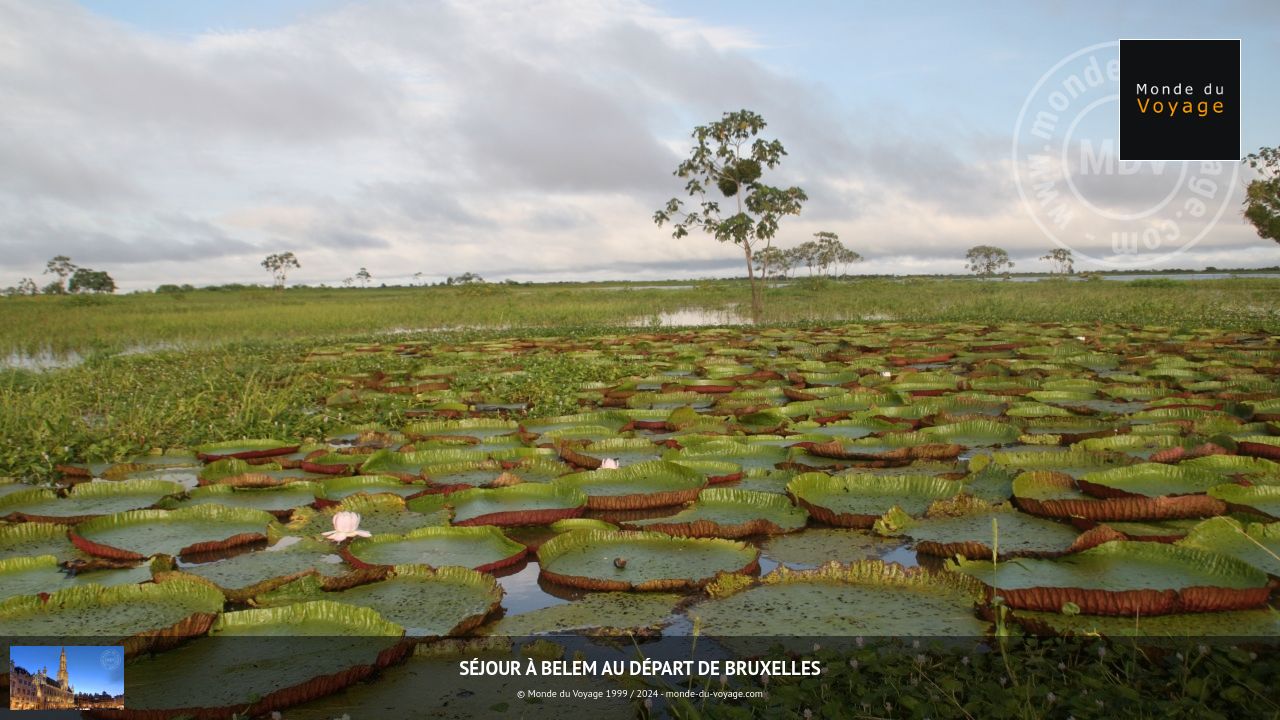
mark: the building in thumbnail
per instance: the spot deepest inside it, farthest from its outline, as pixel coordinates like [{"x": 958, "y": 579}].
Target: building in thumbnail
[{"x": 38, "y": 691}]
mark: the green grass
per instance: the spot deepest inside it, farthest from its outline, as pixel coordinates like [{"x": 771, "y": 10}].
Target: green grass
[{"x": 60, "y": 325}]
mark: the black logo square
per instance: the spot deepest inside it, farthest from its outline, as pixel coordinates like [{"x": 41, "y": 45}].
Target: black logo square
[{"x": 1180, "y": 100}]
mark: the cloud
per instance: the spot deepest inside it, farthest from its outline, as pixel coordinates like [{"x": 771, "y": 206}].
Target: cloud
[{"x": 509, "y": 139}]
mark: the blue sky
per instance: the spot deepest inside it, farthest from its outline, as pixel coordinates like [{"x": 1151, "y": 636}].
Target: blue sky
[
  {"x": 85, "y": 668},
  {"x": 183, "y": 141}
]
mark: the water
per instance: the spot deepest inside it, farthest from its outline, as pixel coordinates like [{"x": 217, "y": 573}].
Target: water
[
  {"x": 46, "y": 359},
  {"x": 692, "y": 317}
]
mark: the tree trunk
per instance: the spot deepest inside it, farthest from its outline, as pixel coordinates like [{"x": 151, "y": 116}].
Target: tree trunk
[{"x": 757, "y": 302}]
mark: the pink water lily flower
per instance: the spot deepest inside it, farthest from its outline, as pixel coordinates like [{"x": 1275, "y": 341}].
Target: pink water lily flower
[
  {"x": 346, "y": 525},
  {"x": 609, "y": 464}
]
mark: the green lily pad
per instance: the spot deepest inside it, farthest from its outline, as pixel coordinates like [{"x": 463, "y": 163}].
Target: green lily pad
[
  {"x": 243, "y": 449},
  {"x": 425, "y": 601},
  {"x": 1264, "y": 499},
  {"x": 729, "y": 513},
  {"x": 411, "y": 465},
  {"x": 1054, "y": 494},
  {"x": 482, "y": 548},
  {"x": 819, "y": 546},
  {"x": 603, "y": 560},
  {"x": 636, "y": 487},
  {"x": 88, "y": 499},
  {"x": 973, "y": 531},
  {"x": 575, "y": 524},
  {"x": 338, "y": 488},
  {"x": 31, "y": 538},
  {"x": 380, "y": 514},
  {"x": 1255, "y": 543},
  {"x": 244, "y": 575},
  {"x": 857, "y": 500},
  {"x": 1125, "y": 578},
  {"x": 222, "y": 674},
  {"x": 1149, "y": 480},
  {"x": 523, "y": 504},
  {"x": 31, "y": 575},
  {"x": 138, "y": 534},
  {"x": 113, "y": 612},
  {"x": 430, "y": 682},
  {"x": 868, "y": 598},
  {"x": 1252, "y": 624},
  {"x": 605, "y": 613},
  {"x": 272, "y": 499},
  {"x": 974, "y": 433},
  {"x": 468, "y": 427}
]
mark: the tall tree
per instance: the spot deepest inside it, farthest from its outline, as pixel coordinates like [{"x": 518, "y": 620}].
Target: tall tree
[
  {"x": 1262, "y": 196},
  {"x": 729, "y": 156},
  {"x": 364, "y": 277},
  {"x": 1060, "y": 260},
  {"x": 62, "y": 267},
  {"x": 279, "y": 265},
  {"x": 987, "y": 260}
]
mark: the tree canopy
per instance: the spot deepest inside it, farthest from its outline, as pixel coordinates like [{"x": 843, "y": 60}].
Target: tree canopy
[
  {"x": 987, "y": 260},
  {"x": 1262, "y": 196},
  {"x": 279, "y": 265}
]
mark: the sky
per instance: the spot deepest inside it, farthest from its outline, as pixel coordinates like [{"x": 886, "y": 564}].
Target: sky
[
  {"x": 86, "y": 670},
  {"x": 182, "y": 142}
]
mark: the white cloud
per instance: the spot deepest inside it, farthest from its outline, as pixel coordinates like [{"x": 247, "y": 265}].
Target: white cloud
[{"x": 518, "y": 140}]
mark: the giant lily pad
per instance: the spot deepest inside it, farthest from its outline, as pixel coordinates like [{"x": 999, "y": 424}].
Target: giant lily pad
[
  {"x": 729, "y": 513},
  {"x": 605, "y": 614},
  {"x": 318, "y": 648},
  {"x": 972, "y": 529},
  {"x": 857, "y": 500},
  {"x": 244, "y": 575},
  {"x": 410, "y": 465},
  {"x": 146, "y": 615},
  {"x": 138, "y": 534},
  {"x": 974, "y": 433},
  {"x": 379, "y": 514},
  {"x": 340, "y": 487},
  {"x": 87, "y": 500},
  {"x": 1263, "y": 499},
  {"x": 482, "y": 548},
  {"x": 42, "y": 574},
  {"x": 636, "y": 487},
  {"x": 279, "y": 500},
  {"x": 865, "y": 598},
  {"x": 618, "y": 560},
  {"x": 1125, "y": 578},
  {"x": 244, "y": 449},
  {"x": 523, "y": 504},
  {"x": 1148, "y": 480},
  {"x": 425, "y": 601},
  {"x": 1255, "y": 543},
  {"x": 819, "y": 546},
  {"x": 31, "y": 538},
  {"x": 1056, "y": 495},
  {"x": 1252, "y": 624}
]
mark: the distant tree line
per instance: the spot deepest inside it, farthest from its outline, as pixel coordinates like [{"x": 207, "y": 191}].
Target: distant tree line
[
  {"x": 69, "y": 278},
  {"x": 824, "y": 253}
]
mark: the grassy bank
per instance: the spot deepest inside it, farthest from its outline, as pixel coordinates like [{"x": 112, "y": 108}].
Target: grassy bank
[{"x": 85, "y": 324}]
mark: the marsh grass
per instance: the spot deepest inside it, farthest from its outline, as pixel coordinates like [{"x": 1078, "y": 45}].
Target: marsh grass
[{"x": 33, "y": 325}]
